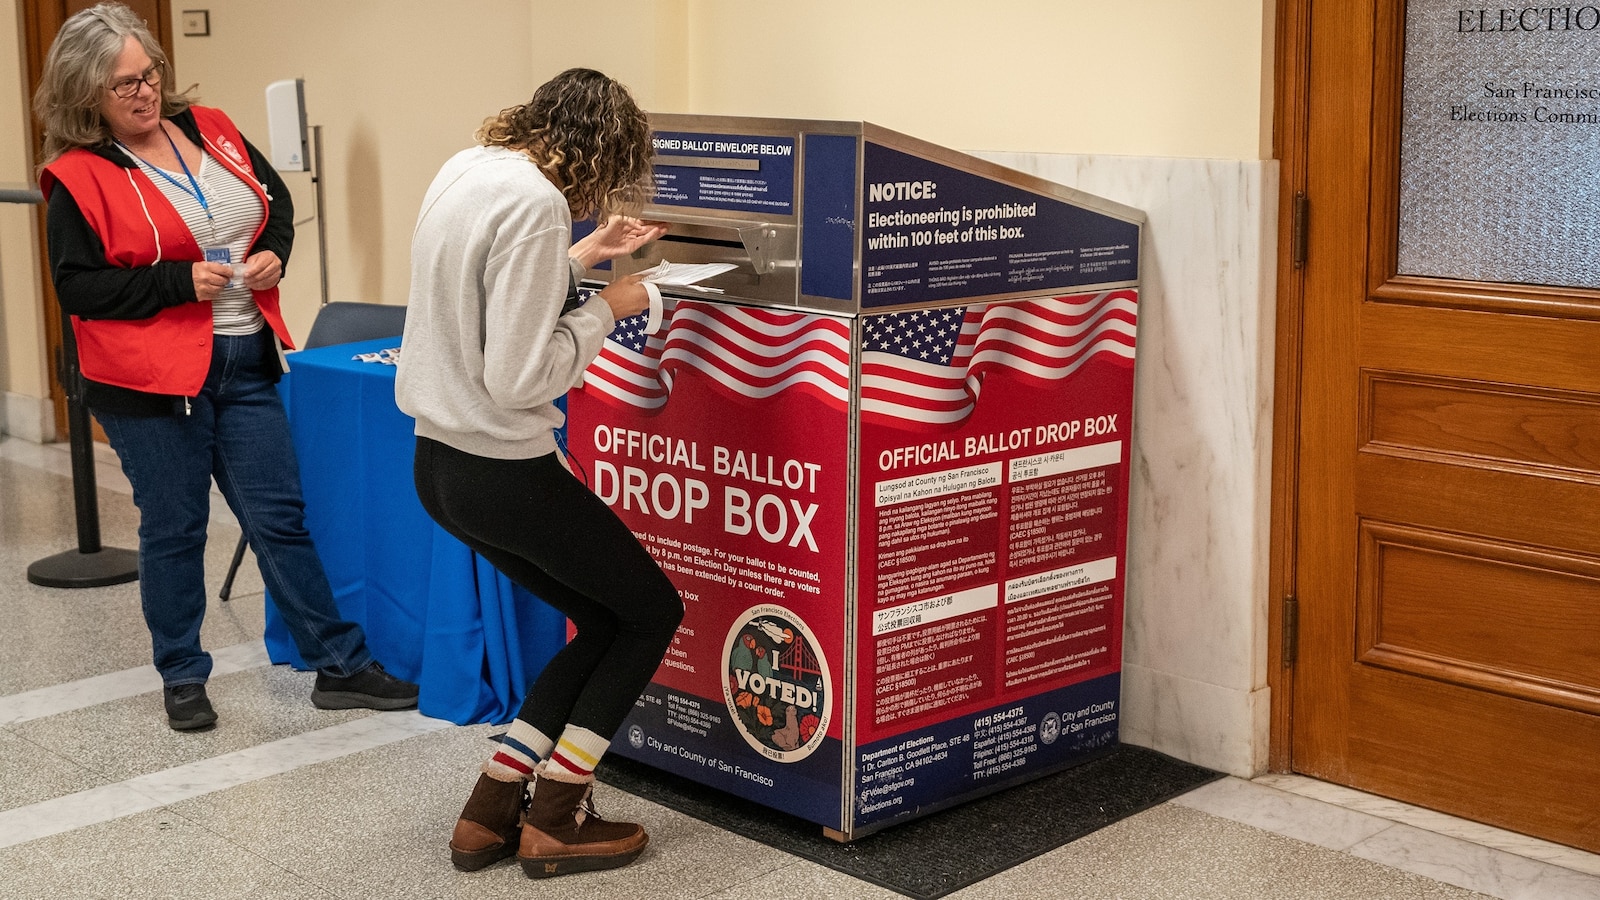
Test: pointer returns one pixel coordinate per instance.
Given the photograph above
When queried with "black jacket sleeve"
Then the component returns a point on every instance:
(91, 288)
(278, 235)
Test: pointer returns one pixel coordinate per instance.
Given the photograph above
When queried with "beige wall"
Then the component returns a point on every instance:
(638, 42)
(399, 85)
(22, 368)
(1174, 78)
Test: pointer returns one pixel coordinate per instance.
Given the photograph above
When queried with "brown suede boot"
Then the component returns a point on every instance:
(562, 834)
(489, 825)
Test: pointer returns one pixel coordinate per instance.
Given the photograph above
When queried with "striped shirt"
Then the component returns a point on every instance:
(236, 214)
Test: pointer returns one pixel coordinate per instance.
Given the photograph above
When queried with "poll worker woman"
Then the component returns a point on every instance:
(168, 233)
(490, 344)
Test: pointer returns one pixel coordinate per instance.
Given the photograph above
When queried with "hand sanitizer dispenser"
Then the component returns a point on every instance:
(286, 125)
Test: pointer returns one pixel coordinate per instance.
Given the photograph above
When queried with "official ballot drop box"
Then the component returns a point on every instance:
(884, 459)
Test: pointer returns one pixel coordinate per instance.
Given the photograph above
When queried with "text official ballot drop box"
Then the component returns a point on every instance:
(885, 461)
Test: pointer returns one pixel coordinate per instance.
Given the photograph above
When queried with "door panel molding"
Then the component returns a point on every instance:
(1481, 423)
(1470, 344)
(1536, 614)
(1565, 801)
(1383, 212)
(1499, 503)
(1481, 296)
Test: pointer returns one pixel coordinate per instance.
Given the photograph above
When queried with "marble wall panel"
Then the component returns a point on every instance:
(1196, 637)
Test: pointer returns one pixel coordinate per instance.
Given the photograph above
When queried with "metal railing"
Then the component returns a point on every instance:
(11, 193)
(91, 564)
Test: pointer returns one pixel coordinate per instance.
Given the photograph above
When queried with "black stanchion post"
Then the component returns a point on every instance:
(90, 565)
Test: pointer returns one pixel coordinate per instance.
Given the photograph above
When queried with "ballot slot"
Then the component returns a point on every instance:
(761, 252)
(728, 191)
(848, 217)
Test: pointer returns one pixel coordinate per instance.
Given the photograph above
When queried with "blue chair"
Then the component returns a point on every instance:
(336, 323)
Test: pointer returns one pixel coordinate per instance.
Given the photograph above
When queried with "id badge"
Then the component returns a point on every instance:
(225, 256)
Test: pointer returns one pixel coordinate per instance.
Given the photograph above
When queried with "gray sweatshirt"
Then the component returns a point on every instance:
(486, 350)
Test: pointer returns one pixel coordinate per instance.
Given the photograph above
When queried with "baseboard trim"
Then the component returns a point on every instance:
(29, 418)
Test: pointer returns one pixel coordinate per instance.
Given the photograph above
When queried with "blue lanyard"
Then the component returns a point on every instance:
(196, 193)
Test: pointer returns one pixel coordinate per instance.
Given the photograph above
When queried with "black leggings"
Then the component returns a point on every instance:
(547, 532)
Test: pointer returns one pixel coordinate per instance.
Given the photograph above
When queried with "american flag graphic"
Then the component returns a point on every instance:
(927, 368)
(747, 351)
(922, 368)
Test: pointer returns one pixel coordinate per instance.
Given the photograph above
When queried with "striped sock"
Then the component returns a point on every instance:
(521, 748)
(576, 754)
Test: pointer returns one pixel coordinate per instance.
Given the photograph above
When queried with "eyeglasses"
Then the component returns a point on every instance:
(127, 88)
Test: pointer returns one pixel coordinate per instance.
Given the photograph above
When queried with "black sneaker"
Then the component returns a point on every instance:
(370, 688)
(188, 708)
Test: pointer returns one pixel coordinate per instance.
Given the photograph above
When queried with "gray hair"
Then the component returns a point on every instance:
(76, 70)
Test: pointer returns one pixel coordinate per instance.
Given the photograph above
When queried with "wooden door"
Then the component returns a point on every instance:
(41, 20)
(1442, 532)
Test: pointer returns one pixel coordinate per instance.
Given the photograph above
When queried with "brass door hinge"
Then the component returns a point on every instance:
(1299, 236)
(1291, 629)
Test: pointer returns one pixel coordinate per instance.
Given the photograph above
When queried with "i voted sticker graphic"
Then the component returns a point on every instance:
(777, 683)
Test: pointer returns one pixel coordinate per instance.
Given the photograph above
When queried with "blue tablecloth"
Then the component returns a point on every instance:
(434, 612)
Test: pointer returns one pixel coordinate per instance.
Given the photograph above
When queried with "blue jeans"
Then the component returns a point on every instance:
(236, 432)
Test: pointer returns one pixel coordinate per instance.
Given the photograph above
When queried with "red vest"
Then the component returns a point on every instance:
(170, 352)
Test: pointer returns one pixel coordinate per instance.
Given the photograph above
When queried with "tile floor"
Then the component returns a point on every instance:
(100, 799)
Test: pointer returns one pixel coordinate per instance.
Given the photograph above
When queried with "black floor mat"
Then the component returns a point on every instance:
(948, 850)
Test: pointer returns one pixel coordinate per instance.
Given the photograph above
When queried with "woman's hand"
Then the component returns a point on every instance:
(209, 280)
(262, 271)
(626, 296)
(620, 235)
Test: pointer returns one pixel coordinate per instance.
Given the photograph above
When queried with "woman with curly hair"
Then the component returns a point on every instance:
(495, 334)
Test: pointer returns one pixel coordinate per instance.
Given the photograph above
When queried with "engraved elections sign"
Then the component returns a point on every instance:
(1500, 140)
